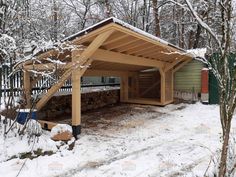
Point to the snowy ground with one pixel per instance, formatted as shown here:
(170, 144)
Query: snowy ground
(127, 140)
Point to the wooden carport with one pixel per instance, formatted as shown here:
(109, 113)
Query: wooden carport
(144, 63)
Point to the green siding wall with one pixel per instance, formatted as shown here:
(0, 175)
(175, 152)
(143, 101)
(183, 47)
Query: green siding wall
(189, 77)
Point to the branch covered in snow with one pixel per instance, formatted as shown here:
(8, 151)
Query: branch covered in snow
(7, 48)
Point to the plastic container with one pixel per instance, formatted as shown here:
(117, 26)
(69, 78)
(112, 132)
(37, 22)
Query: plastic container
(23, 114)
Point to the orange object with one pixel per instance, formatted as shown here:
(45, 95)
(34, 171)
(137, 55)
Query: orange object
(204, 77)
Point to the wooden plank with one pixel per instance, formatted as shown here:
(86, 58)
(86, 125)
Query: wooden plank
(93, 72)
(172, 84)
(124, 88)
(85, 67)
(163, 87)
(145, 101)
(102, 65)
(47, 124)
(136, 48)
(137, 90)
(146, 50)
(114, 38)
(76, 93)
(121, 43)
(151, 54)
(149, 88)
(169, 102)
(27, 89)
(109, 56)
(98, 41)
(131, 46)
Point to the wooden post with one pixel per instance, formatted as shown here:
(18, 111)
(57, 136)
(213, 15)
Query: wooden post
(27, 89)
(76, 95)
(124, 88)
(134, 85)
(163, 87)
(172, 84)
(137, 94)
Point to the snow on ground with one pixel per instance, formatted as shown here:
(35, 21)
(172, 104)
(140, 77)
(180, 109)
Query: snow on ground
(176, 140)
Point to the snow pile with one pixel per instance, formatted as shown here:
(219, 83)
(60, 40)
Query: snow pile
(198, 52)
(60, 128)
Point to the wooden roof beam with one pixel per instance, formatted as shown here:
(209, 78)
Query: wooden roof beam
(98, 72)
(104, 55)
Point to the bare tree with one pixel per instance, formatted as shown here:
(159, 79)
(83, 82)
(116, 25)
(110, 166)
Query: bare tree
(221, 41)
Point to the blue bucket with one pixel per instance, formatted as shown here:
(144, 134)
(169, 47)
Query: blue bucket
(23, 114)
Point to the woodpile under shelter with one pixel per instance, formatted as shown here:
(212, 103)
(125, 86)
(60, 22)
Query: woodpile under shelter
(144, 63)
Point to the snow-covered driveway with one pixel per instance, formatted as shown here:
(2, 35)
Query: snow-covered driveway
(134, 140)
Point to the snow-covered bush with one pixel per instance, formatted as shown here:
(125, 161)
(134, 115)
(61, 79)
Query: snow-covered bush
(33, 128)
(7, 47)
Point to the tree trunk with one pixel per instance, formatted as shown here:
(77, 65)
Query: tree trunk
(108, 9)
(197, 37)
(156, 19)
(55, 21)
(224, 152)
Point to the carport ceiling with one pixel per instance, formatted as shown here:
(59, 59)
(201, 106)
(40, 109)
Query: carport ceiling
(129, 40)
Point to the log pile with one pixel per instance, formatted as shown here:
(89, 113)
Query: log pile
(62, 105)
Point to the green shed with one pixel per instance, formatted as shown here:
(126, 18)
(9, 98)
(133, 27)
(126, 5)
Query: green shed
(188, 78)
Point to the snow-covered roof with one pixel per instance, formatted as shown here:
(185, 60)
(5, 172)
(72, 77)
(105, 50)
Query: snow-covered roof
(124, 24)
(200, 52)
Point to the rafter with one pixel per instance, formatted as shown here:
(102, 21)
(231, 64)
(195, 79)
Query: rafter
(114, 38)
(121, 43)
(134, 45)
(145, 50)
(109, 56)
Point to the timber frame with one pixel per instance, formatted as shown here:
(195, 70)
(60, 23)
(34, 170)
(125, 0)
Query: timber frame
(111, 48)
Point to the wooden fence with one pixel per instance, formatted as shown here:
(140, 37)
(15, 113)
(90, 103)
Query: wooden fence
(13, 84)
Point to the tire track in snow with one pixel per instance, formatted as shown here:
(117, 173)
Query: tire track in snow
(96, 164)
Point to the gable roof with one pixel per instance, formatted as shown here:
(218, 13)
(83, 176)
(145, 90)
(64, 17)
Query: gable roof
(123, 24)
